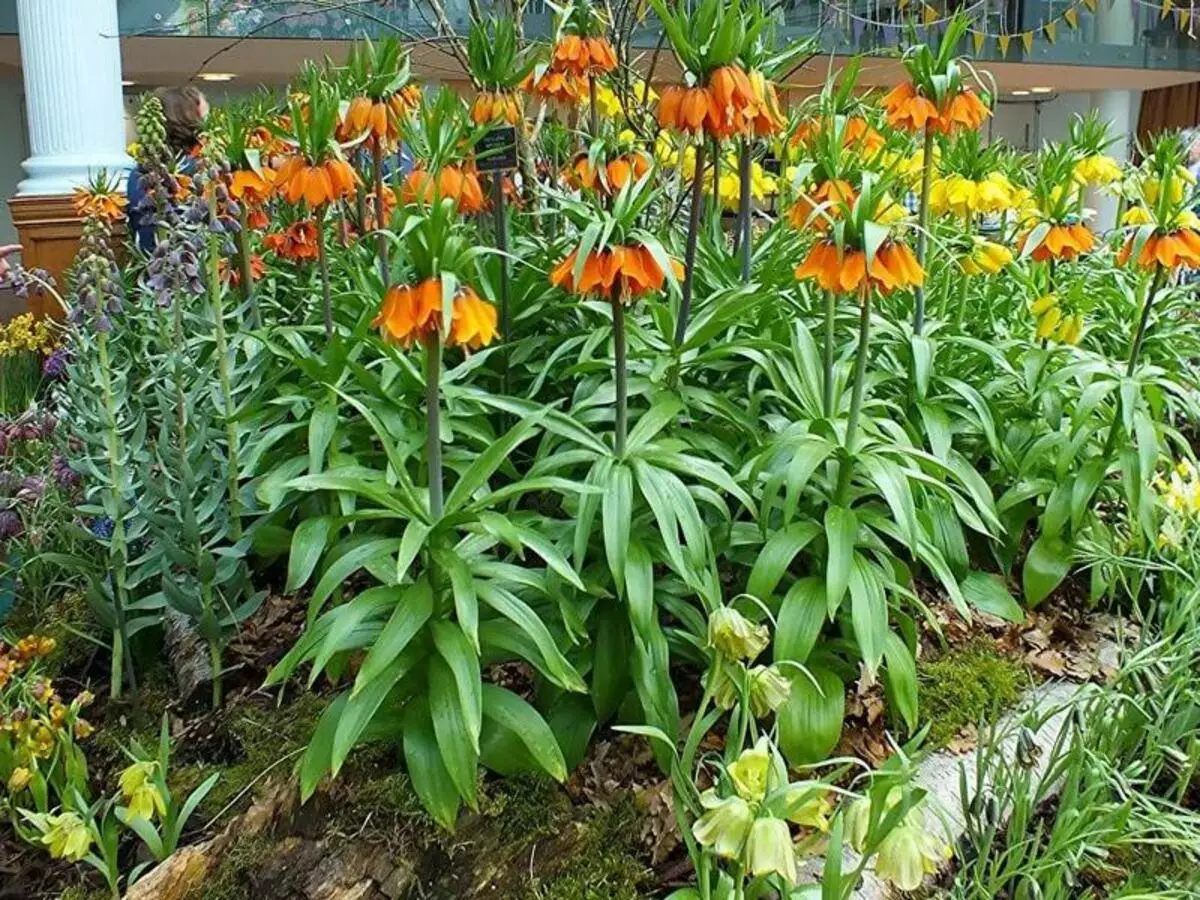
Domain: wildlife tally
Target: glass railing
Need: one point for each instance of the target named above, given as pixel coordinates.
(1120, 33)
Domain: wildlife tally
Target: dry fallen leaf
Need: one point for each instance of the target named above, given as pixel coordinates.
(1049, 661)
(966, 740)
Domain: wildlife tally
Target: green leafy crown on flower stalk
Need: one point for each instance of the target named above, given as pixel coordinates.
(939, 73)
(236, 124)
(440, 133)
(313, 103)
(496, 61)
(375, 70)
(712, 35)
(437, 244)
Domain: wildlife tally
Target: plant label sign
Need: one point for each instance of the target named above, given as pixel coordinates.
(497, 150)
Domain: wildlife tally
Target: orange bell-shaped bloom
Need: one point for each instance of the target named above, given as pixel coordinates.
(685, 109)
(316, 185)
(371, 117)
(1170, 251)
(411, 314)
(1061, 242)
(100, 204)
(583, 56)
(630, 272)
(815, 210)
(963, 111)
(472, 321)
(252, 187)
(457, 183)
(844, 272)
(298, 242)
(496, 106)
(611, 178)
(558, 87)
(906, 108)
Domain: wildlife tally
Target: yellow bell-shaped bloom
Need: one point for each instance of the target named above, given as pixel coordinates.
(1098, 170)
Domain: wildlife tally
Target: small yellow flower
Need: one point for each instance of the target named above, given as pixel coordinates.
(67, 837)
(141, 793)
(909, 853)
(750, 770)
(986, 257)
(813, 808)
(1042, 304)
(19, 779)
(1136, 215)
(769, 849)
(724, 826)
(1048, 322)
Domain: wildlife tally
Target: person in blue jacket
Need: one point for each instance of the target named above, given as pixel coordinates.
(184, 109)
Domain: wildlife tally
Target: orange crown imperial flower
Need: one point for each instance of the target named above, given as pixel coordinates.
(373, 117)
(1178, 248)
(317, 185)
(297, 243)
(856, 132)
(1061, 242)
(100, 204)
(907, 108)
(815, 209)
(410, 314)
(559, 87)
(459, 183)
(632, 271)
(685, 109)
(610, 177)
(252, 187)
(583, 56)
(496, 106)
(893, 268)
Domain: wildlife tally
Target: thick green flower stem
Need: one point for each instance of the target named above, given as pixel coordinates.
(961, 305)
(323, 261)
(1135, 349)
(619, 370)
(830, 322)
(247, 272)
(593, 108)
(433, 441)
(214, 656)
(381, 241)
(856, 397)
(120, 659)
(689, 253)
(744, 209)
(226, 381)
(922, 227)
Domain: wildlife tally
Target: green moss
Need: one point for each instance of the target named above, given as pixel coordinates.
(265, 738)
(228, 881)
(606, 865)
(526, 807)
(965, 685)
(77, 892)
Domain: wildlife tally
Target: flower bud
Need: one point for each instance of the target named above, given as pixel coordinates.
(734, 636)
(769, 690)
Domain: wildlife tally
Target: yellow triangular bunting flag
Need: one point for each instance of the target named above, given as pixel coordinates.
(1165, 11)
(978, 37)
(902, 5)
(1090, 4)
(1184, 15)
(1071, 17)
(1050, 29)
(929, 15)
(1002, 42)
(1027, 41)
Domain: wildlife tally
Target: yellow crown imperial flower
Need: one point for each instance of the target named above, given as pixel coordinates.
(1098, 169)
(986, 257)
(1136, 215)
(1043, 303)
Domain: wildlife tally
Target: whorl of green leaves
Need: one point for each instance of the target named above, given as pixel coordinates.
(496, 61)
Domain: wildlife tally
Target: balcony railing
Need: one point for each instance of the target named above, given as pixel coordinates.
(1125, 33)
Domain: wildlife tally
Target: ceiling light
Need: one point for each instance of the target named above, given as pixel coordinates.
(1043, 90)
(216, 76)
(127, 83)
(1020, 93)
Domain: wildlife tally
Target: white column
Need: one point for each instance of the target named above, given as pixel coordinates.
(1115, 25)
(71, 63)
(1120, 110)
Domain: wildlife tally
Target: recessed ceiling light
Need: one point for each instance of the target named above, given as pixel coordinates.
(127, 83)
(1043, 90)
(1020, 93)
(216, 76)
